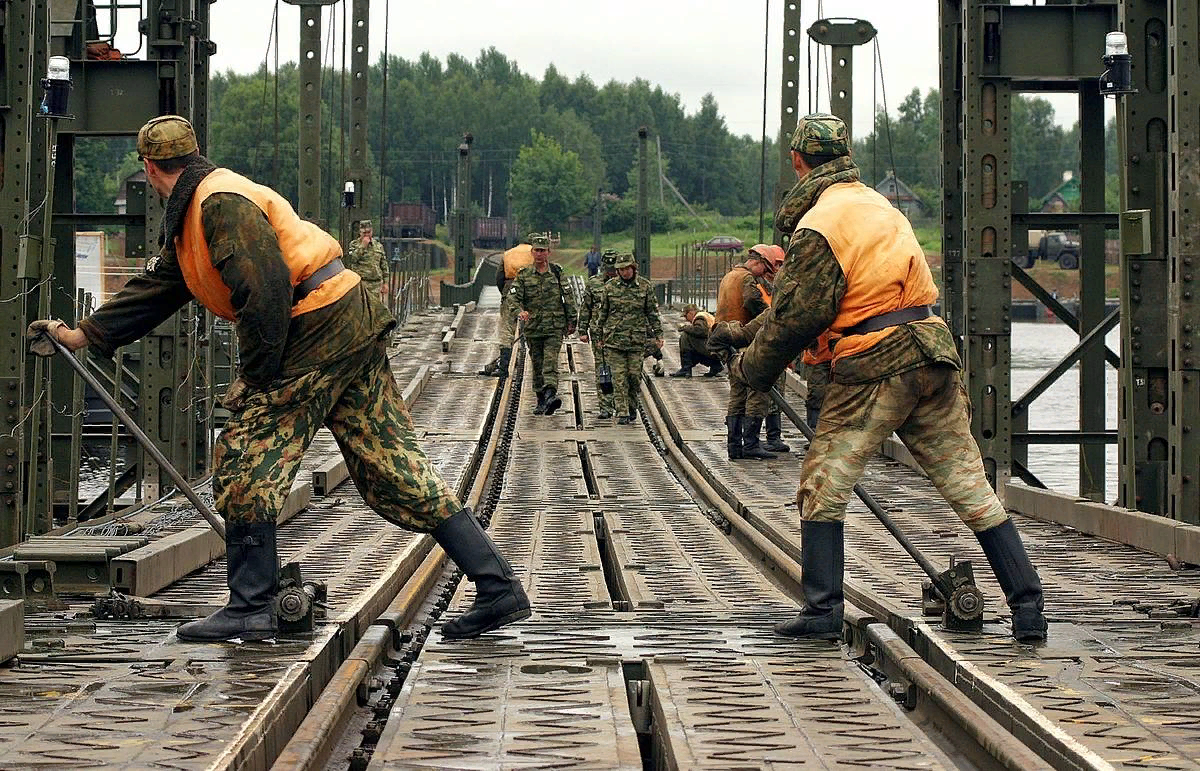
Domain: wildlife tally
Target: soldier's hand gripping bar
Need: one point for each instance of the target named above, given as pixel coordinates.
(185, 488)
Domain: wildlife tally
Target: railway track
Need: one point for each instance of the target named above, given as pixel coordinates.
(656, 568)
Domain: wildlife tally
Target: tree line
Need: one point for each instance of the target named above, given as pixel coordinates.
(553, 142)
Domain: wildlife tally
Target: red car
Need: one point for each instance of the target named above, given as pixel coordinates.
(723, 244)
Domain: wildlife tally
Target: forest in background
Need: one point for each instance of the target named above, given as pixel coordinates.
(554, 141)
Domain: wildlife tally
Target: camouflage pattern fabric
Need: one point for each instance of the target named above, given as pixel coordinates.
(821, 134)
(603, 401)
(548, 299)
(593, 291)
(627, 375)
(271, 343)
(507, 327)
(744, 400)
(370, 262)
(628, 312)
(258, 454)
(816, 377)
(543, 359)
(165, 137)
(929, 410)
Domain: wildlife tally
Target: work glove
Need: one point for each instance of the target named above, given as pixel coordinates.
(236, 395)
(720, 339)
(38, 334)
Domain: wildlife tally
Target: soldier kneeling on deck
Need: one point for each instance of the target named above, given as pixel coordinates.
(855, 268)
(693, 343)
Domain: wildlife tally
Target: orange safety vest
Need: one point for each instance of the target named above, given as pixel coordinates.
(729, 295)
(520, 256)
(708, 318)
(880, 256)
(305, 247)
(821, 354)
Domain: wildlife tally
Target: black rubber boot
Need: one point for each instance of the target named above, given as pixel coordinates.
(714, 369)
(774, 441)
(733, 436)
(499, 597)
(252, 572)
(540, 409)
(751, 446)
(685, 365)
(1018, 579)
(822, 557)
(502, 363)
(492, 368)
(551, 400)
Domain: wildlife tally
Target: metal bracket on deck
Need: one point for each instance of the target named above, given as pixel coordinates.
(31, 581)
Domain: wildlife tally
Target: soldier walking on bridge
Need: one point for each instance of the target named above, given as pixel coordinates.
(855, 268)
(592, 294)
(627, 310)
(547, 306)
(312, 343)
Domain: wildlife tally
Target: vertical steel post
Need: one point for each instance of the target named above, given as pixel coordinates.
(598, 218)
(1143, 128)
(950, 81)
(988, 243)
(356, 168)
(1184, 304)
(842, 37)
(310, 107)
(789, 107)
(462, 214)
(1091, 287)
(641, 228)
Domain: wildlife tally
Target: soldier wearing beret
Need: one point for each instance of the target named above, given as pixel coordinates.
(854, 268)
(311, 339)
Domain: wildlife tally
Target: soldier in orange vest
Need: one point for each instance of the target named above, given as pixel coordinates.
(855, 268)
(312, 340)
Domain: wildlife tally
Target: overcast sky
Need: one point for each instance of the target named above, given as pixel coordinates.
(688, 47)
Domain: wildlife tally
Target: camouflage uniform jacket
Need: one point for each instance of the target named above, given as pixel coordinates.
(808, 293)
(548, 298)
(628, 310)
(368, 261)
(245, 250)
(593, 291)
(697, 331)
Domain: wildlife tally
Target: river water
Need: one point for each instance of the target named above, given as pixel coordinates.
(1036, 347)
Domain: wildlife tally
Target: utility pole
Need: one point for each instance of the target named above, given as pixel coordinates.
(661, 200)
(641, 229)
(598, 218)
(462, 214)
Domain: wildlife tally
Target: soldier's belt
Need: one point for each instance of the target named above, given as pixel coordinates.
(319, 276)
(889, 319)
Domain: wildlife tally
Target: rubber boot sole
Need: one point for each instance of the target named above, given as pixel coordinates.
(516, 615)
(553, 405)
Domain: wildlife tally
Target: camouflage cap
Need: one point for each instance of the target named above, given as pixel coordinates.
(540, 240)
(609, 259)
(624, 261)
(364, 224)
(821, 134)
(166, 137)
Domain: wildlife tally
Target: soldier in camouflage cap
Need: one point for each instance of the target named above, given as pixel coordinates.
(821, 134)
(592, 292)
(855, 278)
(313, 352)
(367, 258)
(546, 304)
(628, 309)
(166, 137)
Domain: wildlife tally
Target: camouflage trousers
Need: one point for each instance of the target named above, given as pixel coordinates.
(627, 376)
(543, 358)
(816, 378)
(928, 408)
(506, 329)
(744, 400)
(605, 401)
(258, 454)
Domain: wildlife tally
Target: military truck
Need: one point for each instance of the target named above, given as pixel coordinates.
(1054, 245)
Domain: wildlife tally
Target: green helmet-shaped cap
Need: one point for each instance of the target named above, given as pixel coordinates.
(821, 134)
(625, 261)
(540, 240)
(166, 137)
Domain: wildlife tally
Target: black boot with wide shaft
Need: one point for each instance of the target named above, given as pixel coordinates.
(733, 436)
(1018, 579)
(751, 446)
(252, 570)
(502, 362)
(499, 597)
(685, 365)
(822, 557)
(714, 368)
(774, 441)
(551, 400)
(540, 409)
